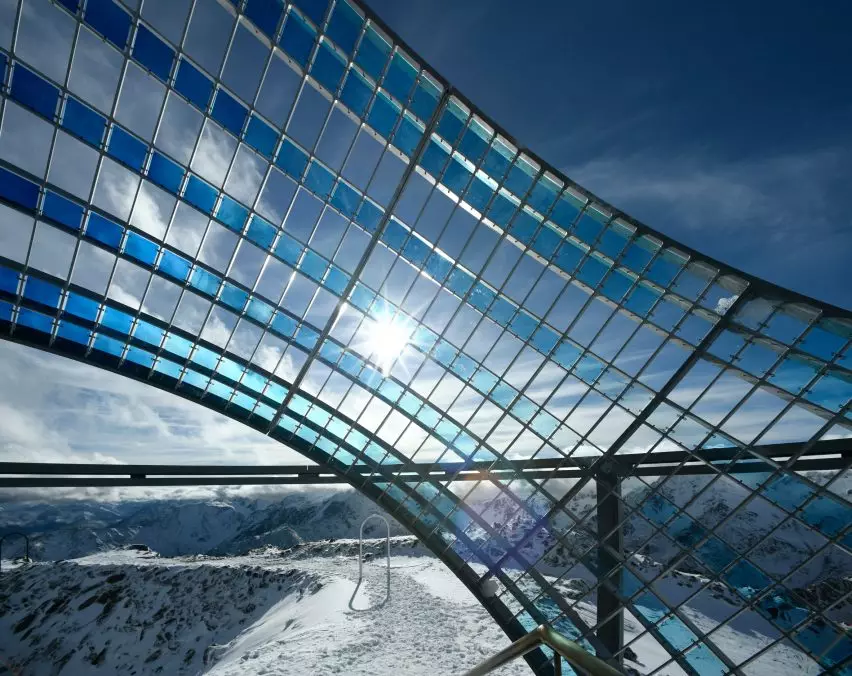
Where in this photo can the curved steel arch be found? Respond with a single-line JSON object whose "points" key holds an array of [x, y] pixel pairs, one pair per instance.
{"points": [[226, 218]]}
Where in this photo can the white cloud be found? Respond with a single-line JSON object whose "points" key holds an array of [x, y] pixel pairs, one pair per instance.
{"points": [[53, 409]]}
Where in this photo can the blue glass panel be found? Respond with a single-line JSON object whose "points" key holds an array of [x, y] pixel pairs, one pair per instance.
{"points": [[200, 194], [70, 5], [372, 54], [407, 136], [104, 230], [519, 180], [438, 267], [481, 296], [313, 265], [62, 210], [569, 256], [289, 249], [261, 136], [313, 9], [542, 196], [261, 232], [153, 53], [328, 67], [117, 320], [35, 320], [502, 210], [593, 271], [234, 297], [336, 280], [395, 234], [229, 112], [297, 39], [29, 89], [523, 325], [165, 173], [72, 332], [265, 14], [42, 292], [425, 100], [460, 282], [148, 333], [174, 266], [383, 115], [369, 216], [479, 194], [231, 213], [434, 158], [83, 121], [126, 148], [588, 228], [18, 190], [616, 285], [259, 310], [291, 159], [140, 248], [345, 199], [456, 176], [140, 357], [664, 269], [205, 281], [400, 78], [193, 84], [109, 20], [319, 179], [451, 124], [344, 26], [356, 93], [284, 325], [524, 227]]}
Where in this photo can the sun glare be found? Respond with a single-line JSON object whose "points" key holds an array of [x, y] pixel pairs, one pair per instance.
{"points": [[389, 338]]}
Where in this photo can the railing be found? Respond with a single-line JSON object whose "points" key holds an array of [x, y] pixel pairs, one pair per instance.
{"points": [[361, 563], [575, 655]]}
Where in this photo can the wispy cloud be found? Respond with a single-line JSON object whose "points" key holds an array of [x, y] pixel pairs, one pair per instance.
{"points": [[784, 217], [56, 410], [779, 195]]}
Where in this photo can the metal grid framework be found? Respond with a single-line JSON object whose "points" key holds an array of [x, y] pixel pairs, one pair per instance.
{"points": [[231, 201]]}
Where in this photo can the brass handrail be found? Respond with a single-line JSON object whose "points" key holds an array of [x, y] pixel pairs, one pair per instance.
{"points": [[573, 653]]}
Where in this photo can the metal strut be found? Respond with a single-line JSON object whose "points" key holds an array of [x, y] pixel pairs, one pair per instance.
{"points": [[361, 563]]}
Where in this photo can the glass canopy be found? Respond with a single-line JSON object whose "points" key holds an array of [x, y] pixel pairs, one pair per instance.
{"points": [[279, 211]]}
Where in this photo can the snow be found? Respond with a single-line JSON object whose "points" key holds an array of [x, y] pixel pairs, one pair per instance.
{"points": [[276, 612]]}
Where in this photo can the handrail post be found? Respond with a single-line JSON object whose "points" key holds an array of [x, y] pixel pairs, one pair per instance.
{"points": [[361, 560]]}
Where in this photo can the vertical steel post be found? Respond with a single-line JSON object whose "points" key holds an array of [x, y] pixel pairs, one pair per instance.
{"points": [[611, 537]]}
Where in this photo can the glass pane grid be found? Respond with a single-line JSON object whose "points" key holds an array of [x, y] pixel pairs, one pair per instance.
{"points": [[250, 211]]}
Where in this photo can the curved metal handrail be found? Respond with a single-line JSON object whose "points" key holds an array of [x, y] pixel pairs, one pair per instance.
{"points": [[361, 563], [573, 653]]}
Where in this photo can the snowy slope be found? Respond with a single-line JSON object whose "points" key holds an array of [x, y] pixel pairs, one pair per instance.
{"points": [[121, 612], [277, 612]]}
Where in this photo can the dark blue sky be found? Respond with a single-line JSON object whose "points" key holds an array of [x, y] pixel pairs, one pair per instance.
{"points": [[727, 125]]}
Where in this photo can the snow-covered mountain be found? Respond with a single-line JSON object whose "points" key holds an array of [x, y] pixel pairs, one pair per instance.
{"points": [[233, 526], [176, 528]]}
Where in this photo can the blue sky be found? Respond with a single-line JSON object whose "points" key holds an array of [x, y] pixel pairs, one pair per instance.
{"points": [[725, 125]]}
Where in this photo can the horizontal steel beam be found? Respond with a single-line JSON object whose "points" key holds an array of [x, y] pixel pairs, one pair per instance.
{"points": [[835, 454]]}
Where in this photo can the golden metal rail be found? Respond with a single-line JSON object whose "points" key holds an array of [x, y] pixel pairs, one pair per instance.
{"points": [[573, 653]]}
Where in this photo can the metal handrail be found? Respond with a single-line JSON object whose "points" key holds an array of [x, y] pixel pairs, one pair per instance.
{"points": [[573, 653], [361, 563]]}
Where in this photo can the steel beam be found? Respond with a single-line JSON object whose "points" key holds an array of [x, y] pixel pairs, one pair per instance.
{"points": [[610, 521]]}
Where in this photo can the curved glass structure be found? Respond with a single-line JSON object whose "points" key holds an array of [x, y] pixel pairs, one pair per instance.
{"points": [[278, 211]]}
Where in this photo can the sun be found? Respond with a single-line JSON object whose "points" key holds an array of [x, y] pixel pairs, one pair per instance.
{"points": [[388, 338]]}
